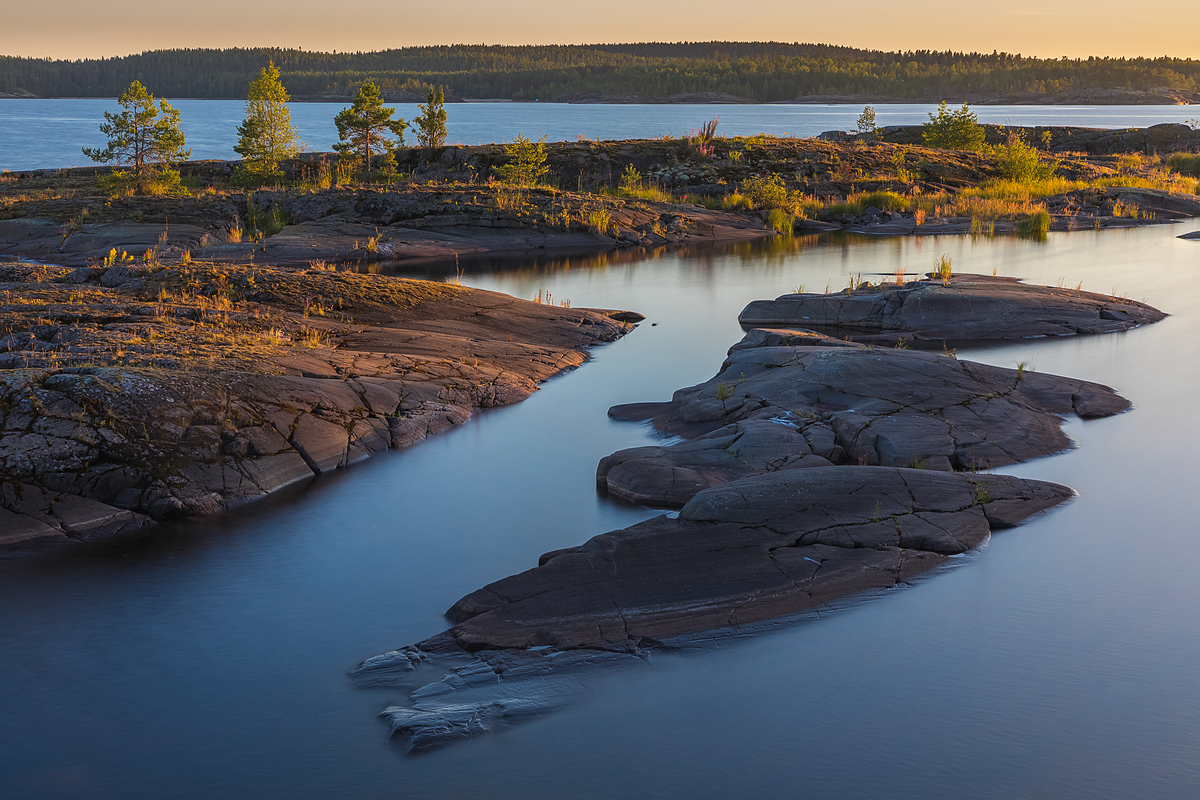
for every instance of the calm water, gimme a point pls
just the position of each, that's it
(36, 134)
(1059, 663)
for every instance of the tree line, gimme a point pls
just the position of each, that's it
(145, 138)
(760, 71)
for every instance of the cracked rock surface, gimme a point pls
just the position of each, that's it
(798, 481)
(966, 307)
(129, 395)
(786, 400)
(753, 550)
(749, 550)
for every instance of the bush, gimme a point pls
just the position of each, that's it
(1184, 164)
(431, 124)
(1019, 161)
(527, 162)
(153, 182)
(600, 221)
(866, 122)
(765, 192)
(953, 130)
(251, 177)
(631, 179)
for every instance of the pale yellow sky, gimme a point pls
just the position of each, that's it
(79, 29)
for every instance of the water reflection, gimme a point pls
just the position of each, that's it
(1059, 663)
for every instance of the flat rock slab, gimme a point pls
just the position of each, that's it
(758, 549)
(966, 307)
(777, 406)
(92, 450)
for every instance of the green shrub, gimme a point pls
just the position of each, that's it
(1184, 164)
(766, 192)
(252, 176)
(600, 221)
(1019, 161)
(526, 162)
(866, 122)
(159, 181)
(631, 178)
(953, 130)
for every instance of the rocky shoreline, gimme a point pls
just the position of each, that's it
(409, 225)
(809, 470)
(132, 394)
(441, 206)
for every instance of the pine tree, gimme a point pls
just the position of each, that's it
(267, 136)
(364, 127)
(954, 130)
(866, 121)
(431, 124)
(140, 138)
(527, 162)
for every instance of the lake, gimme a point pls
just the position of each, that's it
(1057, 662)
(39, 134)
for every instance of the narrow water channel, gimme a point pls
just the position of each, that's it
(1060, 662)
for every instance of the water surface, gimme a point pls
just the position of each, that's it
(39, 134)
(1059, 663)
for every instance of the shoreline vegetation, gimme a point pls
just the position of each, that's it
(699, 72)
(444, 203)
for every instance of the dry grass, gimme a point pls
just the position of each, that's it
(196, 318)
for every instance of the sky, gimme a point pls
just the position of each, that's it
(1074, 28)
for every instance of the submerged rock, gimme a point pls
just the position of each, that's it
(965, 307)
(786, 400)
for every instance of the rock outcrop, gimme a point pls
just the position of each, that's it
(763, 548)
(410, 224)
(965, 307)
(130, 395)
(810, 469)
(787, 400)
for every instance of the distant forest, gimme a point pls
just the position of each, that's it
(760, 72)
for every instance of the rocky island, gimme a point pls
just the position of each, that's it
(809, 470)
(443, 203)
(960, 307)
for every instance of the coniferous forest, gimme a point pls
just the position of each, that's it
(757, 72)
